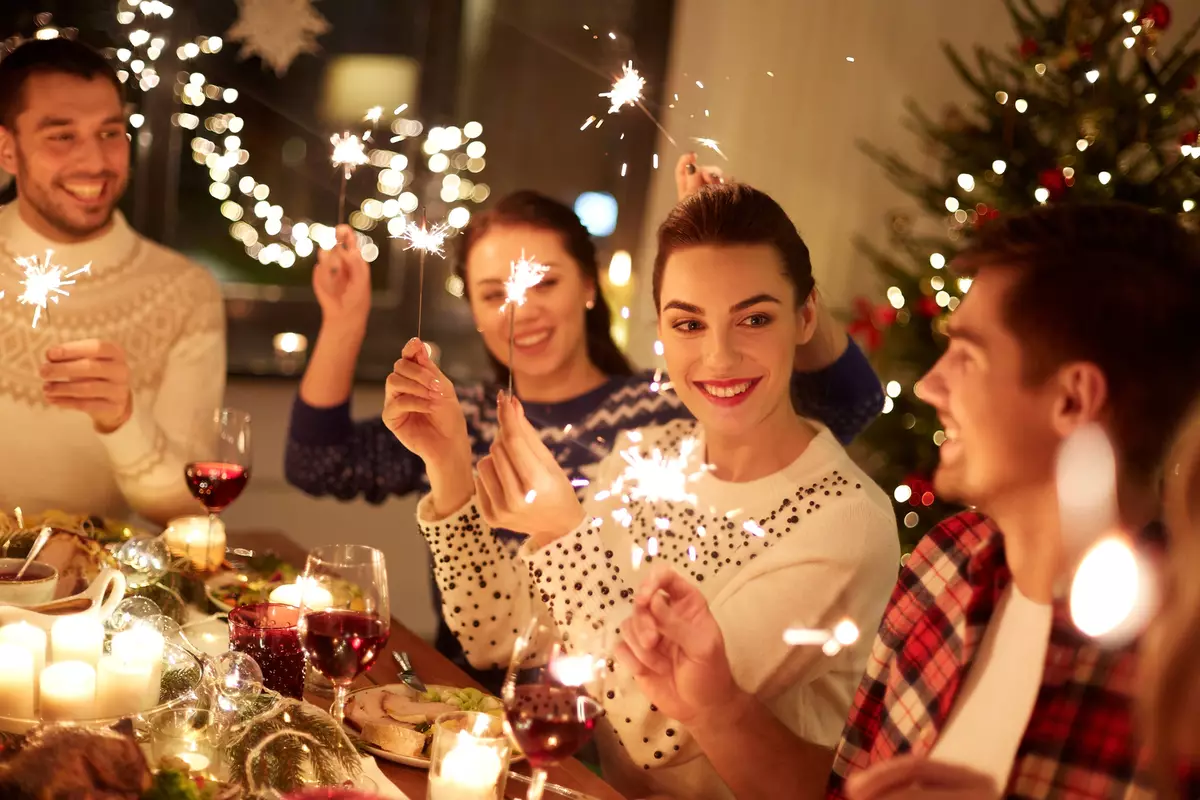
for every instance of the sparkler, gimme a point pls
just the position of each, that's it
(626, 90)
(349, 153)
(711, 144)
(830, 640)
(523, 275)
(424, 240)
(44, 281)
(657, 477)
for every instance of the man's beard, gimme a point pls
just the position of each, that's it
(40, 200)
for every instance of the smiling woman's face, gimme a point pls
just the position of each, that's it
(550, 327)
(730, 324)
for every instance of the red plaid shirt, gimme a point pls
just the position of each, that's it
(1080, 738)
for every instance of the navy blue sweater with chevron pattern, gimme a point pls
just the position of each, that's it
(328, 453)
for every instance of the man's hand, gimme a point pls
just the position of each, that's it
(917, 778)
(92, 376)
(674, 648)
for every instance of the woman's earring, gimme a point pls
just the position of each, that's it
(589, 305)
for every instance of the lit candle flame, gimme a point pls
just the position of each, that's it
(523, 275)
(349, 152)
(428, 240)
(626, 90)
(43, 282)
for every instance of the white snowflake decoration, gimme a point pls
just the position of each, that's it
(278, 30)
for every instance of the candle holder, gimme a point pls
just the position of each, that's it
(468, 758)
(189, 735)
(268, 633)
(189, 537)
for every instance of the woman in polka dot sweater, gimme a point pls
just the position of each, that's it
(772, 522)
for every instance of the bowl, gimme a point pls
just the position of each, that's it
(36, 586)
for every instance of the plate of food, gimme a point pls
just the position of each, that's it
(252, 582)
(395, 721)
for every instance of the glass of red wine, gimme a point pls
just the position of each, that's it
(549, 695)
(220, 464)
(344, 631)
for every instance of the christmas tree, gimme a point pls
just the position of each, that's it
(1086, 107)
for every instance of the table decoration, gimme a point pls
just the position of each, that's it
(189, 538)
(78, 637)
(269, 633)
(303, 592)
(18, 684)
(469, 757)
(190, 735)
(67, 691)
(29, 637)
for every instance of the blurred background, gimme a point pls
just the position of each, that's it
(478, 98)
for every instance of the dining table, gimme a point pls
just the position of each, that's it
(434, 668)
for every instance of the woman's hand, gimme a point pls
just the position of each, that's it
(519, 484)
(342, 283)
(422, 411)
(674, 648)
(690, 176)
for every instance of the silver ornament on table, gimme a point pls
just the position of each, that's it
(129, 611)
(144, 560)
(238, 679)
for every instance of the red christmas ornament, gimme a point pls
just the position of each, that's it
(926, 307)
(1158, 13)
(1028, 48)
(921, 487)
(1189, 83)
(1189, 137)
(868, 324)
(1085, 50)
(886, 315)
(1053, 180)
(985, 214)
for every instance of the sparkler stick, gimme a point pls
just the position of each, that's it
(349, 153)
(43, 282)
(424, 240)
(523, 274)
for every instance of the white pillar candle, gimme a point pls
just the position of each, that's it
(31, 638)
(122, 687)
(314, 597)
(469, 771)
(16, 681)
(189, 537)
(77, 638)
(142, 645)
(68, 691)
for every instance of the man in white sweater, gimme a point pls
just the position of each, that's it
(97, 401)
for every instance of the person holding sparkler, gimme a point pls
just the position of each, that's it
(760, 509)
(978, 675)
(578, 387)
(94, 401)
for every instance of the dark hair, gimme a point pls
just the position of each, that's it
(733, 213)
(47, 57)
(1115, 285)
(538, 211)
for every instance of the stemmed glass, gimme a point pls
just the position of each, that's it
(549, 695)
(219, 467)
(344, 628)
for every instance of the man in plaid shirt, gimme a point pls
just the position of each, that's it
(978, 683)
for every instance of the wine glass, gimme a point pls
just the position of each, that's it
(344, 617)
(549, 696)
(220, 465)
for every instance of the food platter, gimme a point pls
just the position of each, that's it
(397, 714)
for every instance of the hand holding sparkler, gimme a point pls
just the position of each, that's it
(690, 176)
(349, 153)
(91, 376)
(675, 649)
(520, 486)
(342, 284)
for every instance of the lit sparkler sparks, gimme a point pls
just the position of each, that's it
(426, 239)
(711, 144)
(657, 477)
(374, 114)
(43, 282)
(830, 640)
(626, 90)
(349, 152)
(523, 275)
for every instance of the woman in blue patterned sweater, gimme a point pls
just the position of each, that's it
(574, 382)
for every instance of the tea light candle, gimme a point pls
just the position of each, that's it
(314, 597)
(142, 645)
(188, 537)
(68, 691)
(197, 762)
(122, 687)
(77, 638)
(16, 681)
(469, 771)
(29, 637)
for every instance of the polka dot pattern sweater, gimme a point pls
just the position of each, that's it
(806, 546)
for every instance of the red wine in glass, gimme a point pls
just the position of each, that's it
(343, 644)
(216, 484)
(551, 723)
